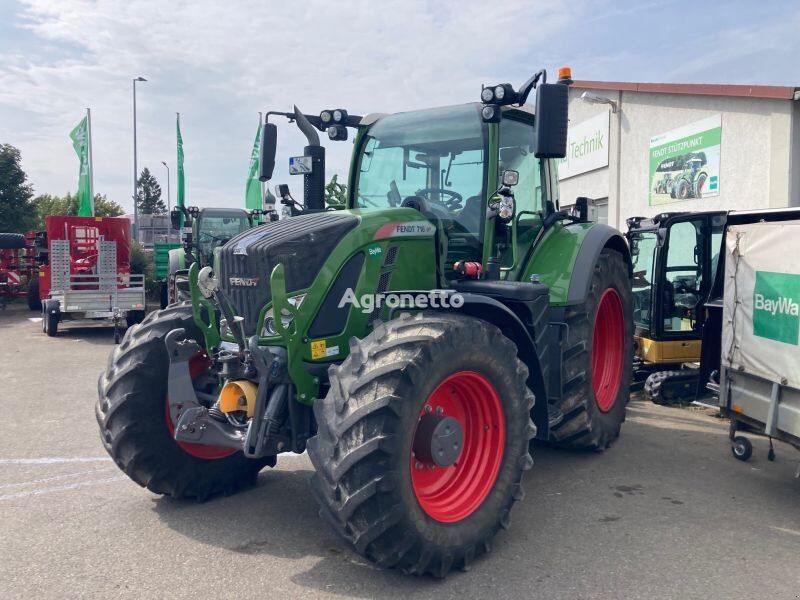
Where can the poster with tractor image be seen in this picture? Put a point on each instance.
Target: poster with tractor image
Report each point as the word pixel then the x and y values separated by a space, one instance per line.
pixel 684 162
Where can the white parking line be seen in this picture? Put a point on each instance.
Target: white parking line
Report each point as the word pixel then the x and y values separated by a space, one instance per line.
pixel 48 479
pixel 51 460
pixel 62 488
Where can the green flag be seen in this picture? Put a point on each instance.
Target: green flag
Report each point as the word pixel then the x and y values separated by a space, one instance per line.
pixel 253 188
pixel 181 181
pixel 80 141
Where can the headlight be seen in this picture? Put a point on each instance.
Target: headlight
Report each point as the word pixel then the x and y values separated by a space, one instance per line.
pixel 269 329
pixel 499 92
pixel 337 116
pixel 506 208
pixel 487 95
pixel 325 116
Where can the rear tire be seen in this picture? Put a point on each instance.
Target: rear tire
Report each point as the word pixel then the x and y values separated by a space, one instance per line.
pixel 34 302
pixel 589 420
pixel 11 241
pixel 134 425
pixel 368 482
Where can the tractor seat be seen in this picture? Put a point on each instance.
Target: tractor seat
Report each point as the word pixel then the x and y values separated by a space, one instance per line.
pixel 471 216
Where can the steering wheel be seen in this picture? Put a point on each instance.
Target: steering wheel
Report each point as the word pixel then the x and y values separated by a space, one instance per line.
pixel 454 202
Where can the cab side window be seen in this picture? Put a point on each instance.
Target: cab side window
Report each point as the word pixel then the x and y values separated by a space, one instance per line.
pixel 516 154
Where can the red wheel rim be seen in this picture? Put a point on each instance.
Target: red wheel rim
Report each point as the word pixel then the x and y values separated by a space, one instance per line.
pixel 452 493
pixel 197 364
pixel 608 349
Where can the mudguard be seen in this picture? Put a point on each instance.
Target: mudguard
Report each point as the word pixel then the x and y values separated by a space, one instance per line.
pixel 565 258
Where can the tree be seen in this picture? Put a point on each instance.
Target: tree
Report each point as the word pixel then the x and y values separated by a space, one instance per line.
pixel 148 195
pixel 335 193
pixel 103 207
pixel 47 204
pixel 17 212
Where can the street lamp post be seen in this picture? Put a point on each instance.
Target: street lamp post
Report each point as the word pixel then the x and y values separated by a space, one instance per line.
pixel 169 202
pixel 168 194
pixel 135 168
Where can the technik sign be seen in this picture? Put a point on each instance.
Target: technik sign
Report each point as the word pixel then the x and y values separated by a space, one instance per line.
pixel 587 147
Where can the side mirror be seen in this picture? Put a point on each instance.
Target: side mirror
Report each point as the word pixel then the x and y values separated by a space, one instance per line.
pixel 552 119
pixel 582 208
pixel 269 146
pixel 175 218
pixel 510 178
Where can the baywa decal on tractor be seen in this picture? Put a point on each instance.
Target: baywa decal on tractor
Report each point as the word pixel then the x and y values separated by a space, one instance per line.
pixel 776 306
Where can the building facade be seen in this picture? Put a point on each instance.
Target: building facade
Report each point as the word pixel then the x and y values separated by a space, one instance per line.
pixel 641 149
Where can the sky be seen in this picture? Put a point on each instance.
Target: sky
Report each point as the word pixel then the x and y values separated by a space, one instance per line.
pixel 219 63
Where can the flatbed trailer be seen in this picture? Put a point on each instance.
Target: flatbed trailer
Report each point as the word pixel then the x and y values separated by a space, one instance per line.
pixel 86 273
pixel 759 376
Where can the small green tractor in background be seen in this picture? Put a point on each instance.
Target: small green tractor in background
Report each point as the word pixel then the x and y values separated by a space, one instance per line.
pixel 204 232
pixel 414 343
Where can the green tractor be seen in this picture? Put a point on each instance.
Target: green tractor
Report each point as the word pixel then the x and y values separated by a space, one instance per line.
pixel 414 343
pixel 204 232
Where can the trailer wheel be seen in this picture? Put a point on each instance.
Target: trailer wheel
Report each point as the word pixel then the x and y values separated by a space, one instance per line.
pixel 52 317
pixel 134 317
pixel 422 442
pixel 742 448
pixel 34 302
pixel 12 241
pixel 135 427
pixel 597 353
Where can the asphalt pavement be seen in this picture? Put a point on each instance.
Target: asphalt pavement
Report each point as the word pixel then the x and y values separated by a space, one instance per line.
pixel 667 512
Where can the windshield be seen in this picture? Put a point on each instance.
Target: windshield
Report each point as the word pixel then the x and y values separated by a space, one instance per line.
pixel 216 230
pixel 643 255
pixel 436 155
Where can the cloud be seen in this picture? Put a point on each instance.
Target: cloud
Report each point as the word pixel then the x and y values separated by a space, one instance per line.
pixel 219 63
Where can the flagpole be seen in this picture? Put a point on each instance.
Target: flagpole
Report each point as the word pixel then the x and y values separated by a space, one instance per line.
pixel 91 163
pixel 261 183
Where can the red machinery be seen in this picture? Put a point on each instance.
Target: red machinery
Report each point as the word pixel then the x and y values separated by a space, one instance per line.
pixel 85 271
pixel 17 265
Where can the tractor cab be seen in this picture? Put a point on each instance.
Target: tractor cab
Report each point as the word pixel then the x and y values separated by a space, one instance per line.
pixel 214 227
pixel 205 232
pixel 440 162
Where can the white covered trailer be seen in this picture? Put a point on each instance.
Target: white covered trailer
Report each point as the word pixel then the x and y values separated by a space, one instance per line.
pixel 759 385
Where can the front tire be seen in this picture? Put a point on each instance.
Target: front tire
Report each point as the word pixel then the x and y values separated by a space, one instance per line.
pixel 396 507
pixel 597 359
pixel 134 420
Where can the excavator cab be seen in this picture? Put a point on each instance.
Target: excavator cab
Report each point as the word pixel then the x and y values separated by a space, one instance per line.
pixel 675 257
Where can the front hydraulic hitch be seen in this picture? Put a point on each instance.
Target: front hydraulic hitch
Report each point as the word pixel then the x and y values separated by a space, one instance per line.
pixel 192 420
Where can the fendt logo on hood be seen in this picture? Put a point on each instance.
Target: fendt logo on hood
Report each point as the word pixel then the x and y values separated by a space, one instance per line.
pixel 243 281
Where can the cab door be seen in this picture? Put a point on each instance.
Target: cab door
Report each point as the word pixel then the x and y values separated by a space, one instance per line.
pixel 687 265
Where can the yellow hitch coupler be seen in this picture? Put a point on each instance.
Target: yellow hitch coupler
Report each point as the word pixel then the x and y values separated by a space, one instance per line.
pixel 238 395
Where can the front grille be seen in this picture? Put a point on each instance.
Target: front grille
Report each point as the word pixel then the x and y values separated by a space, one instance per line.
pixel 301 243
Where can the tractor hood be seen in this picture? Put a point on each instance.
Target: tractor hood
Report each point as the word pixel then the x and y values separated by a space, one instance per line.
pixel 305 245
